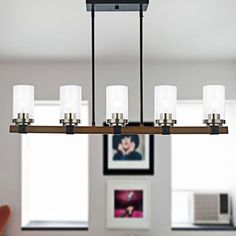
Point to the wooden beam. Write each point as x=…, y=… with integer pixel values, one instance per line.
x=124, y=130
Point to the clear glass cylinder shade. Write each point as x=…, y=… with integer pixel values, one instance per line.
x=116, y=101
x=214, y=100
x=165, y=101
x=70, y=101
x=23, y=101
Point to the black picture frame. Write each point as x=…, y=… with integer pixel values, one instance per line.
x=148, y=171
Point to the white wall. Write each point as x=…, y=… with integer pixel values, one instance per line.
x=47, y=77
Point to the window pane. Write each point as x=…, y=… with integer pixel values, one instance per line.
x=181, y=206
x=55, y=172
x=199, y=162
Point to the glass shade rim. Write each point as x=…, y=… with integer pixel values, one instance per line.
x=70, y=86
x=165, y=86
x=23, y=85
x=117, y=85
x=214, y=85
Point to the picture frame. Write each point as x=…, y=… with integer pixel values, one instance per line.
x=128, y=204
x=142, y=162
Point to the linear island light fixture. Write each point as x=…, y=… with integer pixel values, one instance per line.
x=165, y=98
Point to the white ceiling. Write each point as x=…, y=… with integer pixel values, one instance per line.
x=174, y=30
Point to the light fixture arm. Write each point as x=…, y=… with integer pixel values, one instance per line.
x=93, y=64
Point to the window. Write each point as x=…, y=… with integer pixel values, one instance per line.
x=54, y=174
x=199, y=162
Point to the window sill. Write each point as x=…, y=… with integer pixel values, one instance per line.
x=55, y=225
x=190, y=227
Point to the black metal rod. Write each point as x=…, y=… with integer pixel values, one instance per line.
x=93, y=64
x=141, y=64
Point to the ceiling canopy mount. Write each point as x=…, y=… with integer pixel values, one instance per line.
x=117, y=5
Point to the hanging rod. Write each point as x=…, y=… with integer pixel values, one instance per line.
x=123, y=130
x=93, y=64
x=141, y=63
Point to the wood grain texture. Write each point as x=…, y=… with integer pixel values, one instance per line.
x=124, y=130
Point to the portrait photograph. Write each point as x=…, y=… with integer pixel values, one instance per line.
x=128, y=204
x=129, y=154
x=128, y=147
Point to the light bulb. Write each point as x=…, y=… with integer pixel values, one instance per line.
x=165, y=105
x=117, y=105
x=214, y=104
x=23, y=104
x=70, y=104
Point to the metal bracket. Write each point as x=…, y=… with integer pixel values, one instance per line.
x=215, y=130
x=70, y=129
x=165, y=130
x=117, y=129
x=22, y=129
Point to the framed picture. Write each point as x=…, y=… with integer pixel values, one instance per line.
x=129, y=154
x=128, y=205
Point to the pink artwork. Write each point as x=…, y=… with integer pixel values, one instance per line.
x=128, y=204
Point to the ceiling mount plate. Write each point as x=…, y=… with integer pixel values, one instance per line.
x=117, y=5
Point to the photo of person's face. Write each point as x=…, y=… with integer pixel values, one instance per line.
x=128, y=204
x=128, y=147
x=127, y=144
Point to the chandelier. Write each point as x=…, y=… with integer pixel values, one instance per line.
x=117, y=122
